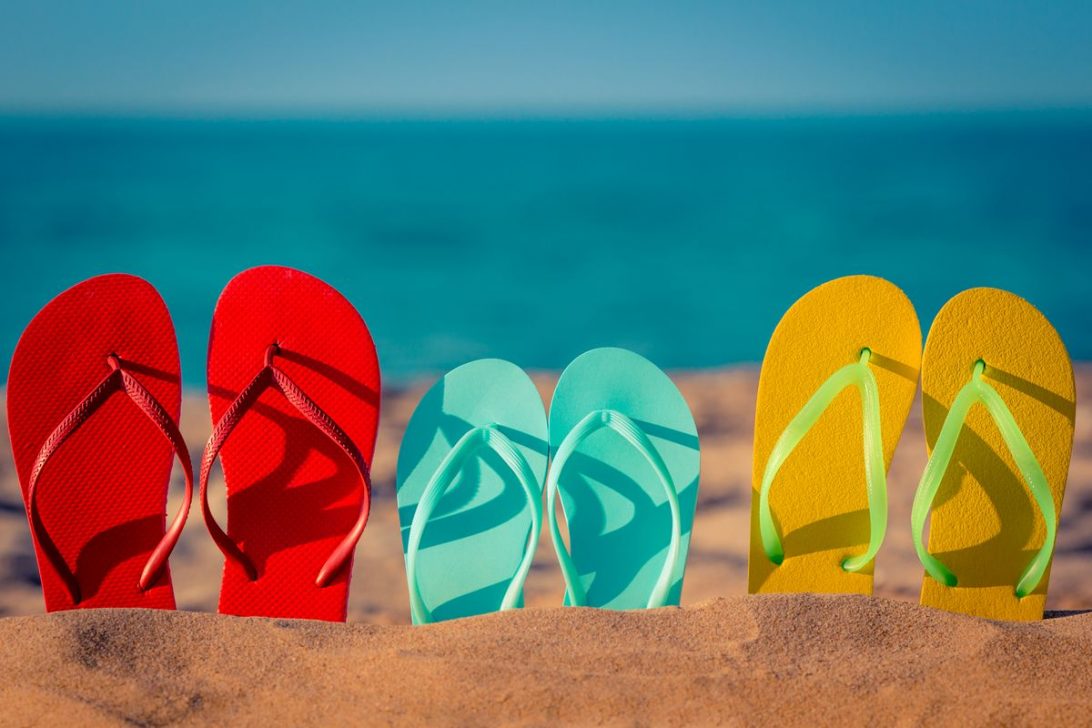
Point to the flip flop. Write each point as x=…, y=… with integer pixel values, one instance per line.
x=818, y=508
x=94, y=395
x=469, y=491
x=625, y=461
x=996, y=473
x=294, y=387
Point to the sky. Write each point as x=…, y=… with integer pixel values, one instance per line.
x=208, y=57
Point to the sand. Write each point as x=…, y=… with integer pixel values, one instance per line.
x=733, y=660
x=724, y=657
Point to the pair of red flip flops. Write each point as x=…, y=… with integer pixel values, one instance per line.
x=94, y=396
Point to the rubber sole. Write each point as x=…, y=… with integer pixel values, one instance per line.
x=292, y=494
x=615, y=508
x=472, y=545
x=819, y=499
x=985, y=525
x=102, y=496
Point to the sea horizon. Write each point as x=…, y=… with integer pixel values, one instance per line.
x=534, y=239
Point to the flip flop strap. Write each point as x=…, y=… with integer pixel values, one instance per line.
x=271, y=376
x=482, y=436
x=635, y=436
x=978, y=390
x=117, y=380
x=860, y=375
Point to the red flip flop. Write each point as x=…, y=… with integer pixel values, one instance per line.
x=294, y=392
x=94, y=395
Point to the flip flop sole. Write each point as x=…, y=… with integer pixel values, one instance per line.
x=819, y=498
x=102, y=497
x=292, y=494
x=985, y=525
x=474, y=542
x=617, y=513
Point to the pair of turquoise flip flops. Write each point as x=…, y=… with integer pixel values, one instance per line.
x=623, y=457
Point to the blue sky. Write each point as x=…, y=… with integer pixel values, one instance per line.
x=481, y=58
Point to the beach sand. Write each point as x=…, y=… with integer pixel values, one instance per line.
x=733, y=660
x=722, y=658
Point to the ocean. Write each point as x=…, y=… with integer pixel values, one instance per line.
x=536, y=240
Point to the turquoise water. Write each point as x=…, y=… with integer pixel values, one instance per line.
x=535, y=241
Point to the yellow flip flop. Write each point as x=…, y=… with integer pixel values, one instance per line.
x=996, y=472
x=818, y=508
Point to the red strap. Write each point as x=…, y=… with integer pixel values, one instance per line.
x=271, y=376
x=117, y=379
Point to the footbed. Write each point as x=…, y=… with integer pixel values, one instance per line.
x=292, y=494
x=102, y=496
x=819, y=500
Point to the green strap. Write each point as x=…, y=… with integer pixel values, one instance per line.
x=975, y=391
x=635, y=436
x=858, y=374
x=482, y=436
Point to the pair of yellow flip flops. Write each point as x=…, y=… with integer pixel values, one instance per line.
x=997, y=468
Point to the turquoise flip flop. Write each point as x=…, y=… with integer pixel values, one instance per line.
x=625, y=461
x=469, y=491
